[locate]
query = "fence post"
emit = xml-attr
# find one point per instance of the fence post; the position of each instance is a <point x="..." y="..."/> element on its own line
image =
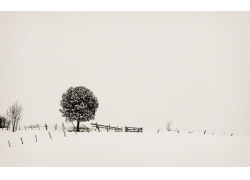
<point x="21" y="140"/>
<point x="64" y="133"/>
<point x="50" y="135"/>
<point x="204" y="132"/>
<point x="97" y="127"/>
<point x="36" y="138"/>
<point x="9" y="143"/>
<point x="31" y="127"/>
<point x="46" y="126"/>
<point x="25" y="128"/>
<point x="74" y="127"/>
<point x="38" y="126"/>
<point x="158" y="130"/>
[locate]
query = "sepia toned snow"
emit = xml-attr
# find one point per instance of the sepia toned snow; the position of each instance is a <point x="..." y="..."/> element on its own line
<point x="166" y="148"/>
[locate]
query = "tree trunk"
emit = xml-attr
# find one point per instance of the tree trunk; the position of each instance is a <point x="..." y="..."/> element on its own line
<point x="16" y="126"/>
<point x="13" y="129"/>
<point x="77" y="128"/>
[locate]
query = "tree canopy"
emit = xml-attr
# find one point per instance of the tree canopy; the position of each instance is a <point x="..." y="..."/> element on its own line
<point x="78" y="104"/>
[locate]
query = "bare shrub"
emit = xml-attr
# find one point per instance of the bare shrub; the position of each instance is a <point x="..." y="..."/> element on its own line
<point x="169" y="123"/>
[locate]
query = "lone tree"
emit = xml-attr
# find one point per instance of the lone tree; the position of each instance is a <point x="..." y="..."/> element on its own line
<point x="78" y="104"/>
<point x="14" y="113"/>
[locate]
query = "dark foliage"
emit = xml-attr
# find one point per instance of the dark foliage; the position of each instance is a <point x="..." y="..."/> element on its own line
<point x="3" y="122"/>
<point x="78" y="104"/>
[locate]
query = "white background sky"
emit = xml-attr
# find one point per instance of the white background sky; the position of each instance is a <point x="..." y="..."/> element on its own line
<point x="146" y="68"/>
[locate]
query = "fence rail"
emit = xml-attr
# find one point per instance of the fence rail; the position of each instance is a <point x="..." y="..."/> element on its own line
<point x="107" y="127"/>
<point x="133" y="129"/>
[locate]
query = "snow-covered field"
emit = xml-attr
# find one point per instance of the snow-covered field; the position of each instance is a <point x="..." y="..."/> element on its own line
<point x="122" y="149"/>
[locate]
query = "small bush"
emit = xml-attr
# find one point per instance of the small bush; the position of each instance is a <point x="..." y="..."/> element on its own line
<point x="169" y="123"/>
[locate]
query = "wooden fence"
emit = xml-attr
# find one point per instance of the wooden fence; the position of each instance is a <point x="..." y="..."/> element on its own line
<point x="133" y="129"/>
<point x="107" y="127"/>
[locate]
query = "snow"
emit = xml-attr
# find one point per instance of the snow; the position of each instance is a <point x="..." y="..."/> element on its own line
<point x="122" y="149"/>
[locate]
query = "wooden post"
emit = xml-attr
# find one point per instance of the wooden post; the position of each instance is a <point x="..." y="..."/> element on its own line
<point x="74" y="127"/>
<point x="21" y="140"/>
<point x="158" y="130"/>
<point x="97" y="127"/>
<point x="50" y="135"/>
<point x="38" y="126"/>
<point x="25" y="128"/>
<point x="107" y="128"/>
<point x="19" y="128"/>
<point x="36" y="138"/>
<point x="204" y="132"/>
<point x="232" y="134"/>
<point x="46" y="126"/>
<point x="31" y="127"/>
<point x="9" y="143"/>
<point x="64" y="133"/>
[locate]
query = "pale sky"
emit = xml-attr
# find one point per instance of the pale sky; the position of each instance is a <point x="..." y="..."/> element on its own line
<point x="145" y="68"/>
